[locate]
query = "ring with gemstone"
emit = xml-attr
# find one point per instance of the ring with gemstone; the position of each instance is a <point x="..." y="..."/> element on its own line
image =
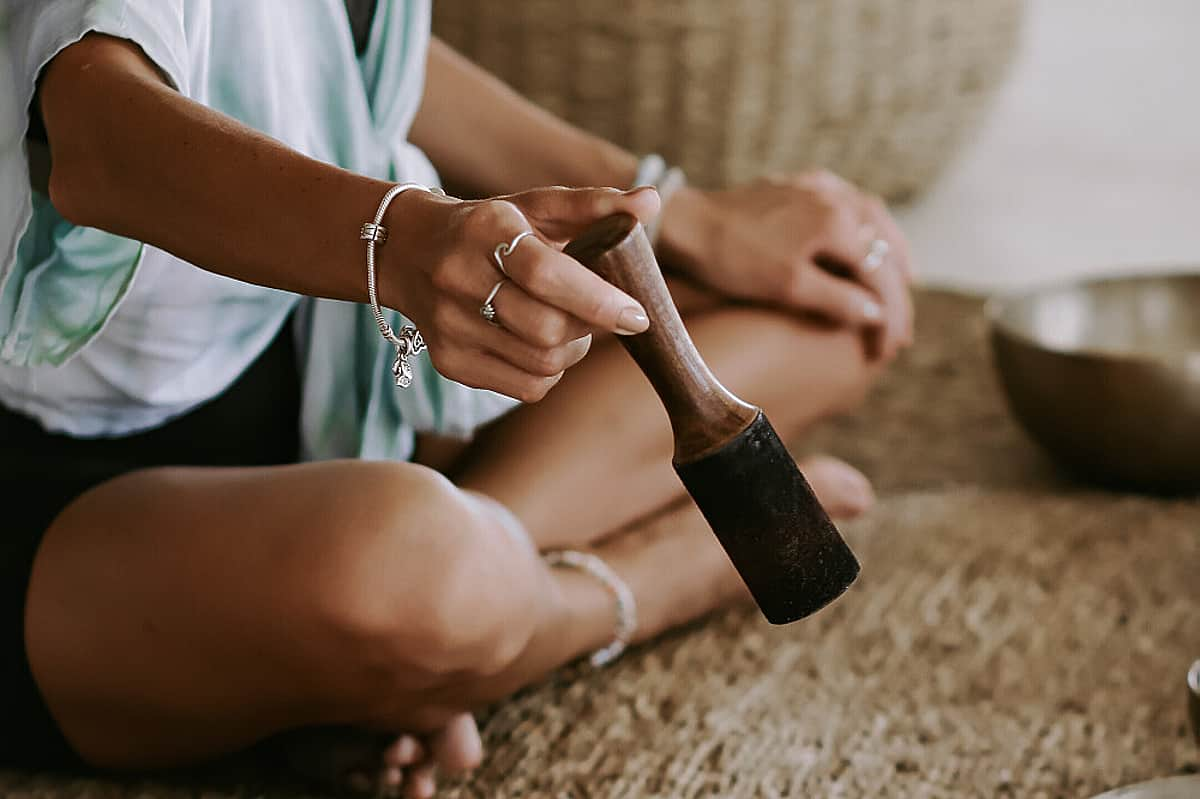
<point x="488" y="310"/>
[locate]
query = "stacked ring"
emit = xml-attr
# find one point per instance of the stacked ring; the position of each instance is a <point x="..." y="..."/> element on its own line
<point x="502" y="251"/>
<point x="487" y="310"/>
<point x="505" y="249"/>
<point x="877" y="255"/>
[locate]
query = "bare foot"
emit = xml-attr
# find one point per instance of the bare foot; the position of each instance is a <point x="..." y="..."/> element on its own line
<point x="455" y="748"/>
<point x="369" y="763"/>
<point x="844" y="491"/>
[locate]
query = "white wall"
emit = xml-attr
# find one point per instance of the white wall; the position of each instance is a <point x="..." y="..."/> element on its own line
<point x="1090" y="161"/>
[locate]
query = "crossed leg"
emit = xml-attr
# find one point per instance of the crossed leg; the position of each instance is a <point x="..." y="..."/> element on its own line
<point x="179" y="614"/>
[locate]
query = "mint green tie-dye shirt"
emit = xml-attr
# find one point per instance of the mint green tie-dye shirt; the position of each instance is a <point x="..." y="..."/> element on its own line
<point x="103" y="336"/>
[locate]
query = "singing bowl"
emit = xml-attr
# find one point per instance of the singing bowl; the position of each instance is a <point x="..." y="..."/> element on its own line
<point x="1186" y="787"/>
<point x="1193" y="682"/>
<point x="1105" y="375"/>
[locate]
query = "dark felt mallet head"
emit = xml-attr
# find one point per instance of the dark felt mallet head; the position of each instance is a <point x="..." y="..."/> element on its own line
<point x="728" y="456"/>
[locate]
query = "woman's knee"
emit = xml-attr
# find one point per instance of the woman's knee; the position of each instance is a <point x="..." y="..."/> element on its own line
<point x="862" y="368"/>
<point x="426" y="580"/>
<point x="798" y="369"/>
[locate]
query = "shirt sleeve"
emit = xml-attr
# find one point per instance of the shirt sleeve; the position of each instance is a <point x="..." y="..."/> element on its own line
<point x="34" y="282"/>
<point x="39" y="30"/>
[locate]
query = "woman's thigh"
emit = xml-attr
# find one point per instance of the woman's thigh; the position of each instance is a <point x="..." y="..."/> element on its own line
<point x="176" y="614"/>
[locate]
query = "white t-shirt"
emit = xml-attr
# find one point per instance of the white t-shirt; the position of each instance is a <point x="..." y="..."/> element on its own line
<point x="103" y="336"/>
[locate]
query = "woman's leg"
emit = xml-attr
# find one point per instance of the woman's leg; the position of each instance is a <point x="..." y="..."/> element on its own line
<point x="594" y="455"/>
<point x="174" y="615"/>
<point x="177" y="614"/>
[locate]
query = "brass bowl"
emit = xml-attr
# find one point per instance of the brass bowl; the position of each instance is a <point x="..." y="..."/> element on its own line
<point x="1105" y="374"/>
<point x="1193" y="681"/>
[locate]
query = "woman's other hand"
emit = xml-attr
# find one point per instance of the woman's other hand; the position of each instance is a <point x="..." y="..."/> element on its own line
<point x="803" y="242"/>
<point x="438" y="267"/>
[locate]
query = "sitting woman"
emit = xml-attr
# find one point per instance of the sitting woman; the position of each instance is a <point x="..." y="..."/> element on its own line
<point x="224" y="519"/>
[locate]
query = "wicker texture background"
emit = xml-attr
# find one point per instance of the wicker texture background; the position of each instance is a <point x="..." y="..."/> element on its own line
<point x="881" y="91"/>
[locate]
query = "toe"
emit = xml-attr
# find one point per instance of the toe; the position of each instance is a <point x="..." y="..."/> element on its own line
<point x="404" y="751"/>
<point x="421" y="783"/>
<point x="458" y="746"/>
<point x="844" y="491"/>
<point x="393" y="777"/>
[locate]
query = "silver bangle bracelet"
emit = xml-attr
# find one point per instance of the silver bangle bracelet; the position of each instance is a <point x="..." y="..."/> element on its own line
<point x="408" y="342"/>
<point x="626" y="607"/>
<point x="653" y="170"/>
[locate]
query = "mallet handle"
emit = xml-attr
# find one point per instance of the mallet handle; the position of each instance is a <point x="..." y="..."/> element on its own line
<point x="704" y="414"/>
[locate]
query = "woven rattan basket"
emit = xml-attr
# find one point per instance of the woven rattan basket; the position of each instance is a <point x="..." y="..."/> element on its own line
<point x="881" y="91"/>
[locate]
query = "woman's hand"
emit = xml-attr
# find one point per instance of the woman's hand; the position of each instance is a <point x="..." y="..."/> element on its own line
<point x="437" y="269"/>
<point x="801" y="242"/>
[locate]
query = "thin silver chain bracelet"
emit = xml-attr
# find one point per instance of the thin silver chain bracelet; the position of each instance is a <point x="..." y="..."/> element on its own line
<point x="409" y="342"/>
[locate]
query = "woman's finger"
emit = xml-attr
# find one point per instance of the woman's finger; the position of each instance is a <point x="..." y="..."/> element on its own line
<point x="537" y="361"/>
<point x="560" y="213"/>
<point x="848" y="242"/>
<point x="890" y="230"/>
<point x="480" y="369"/>
<point x="838" y="299"/>
<point x="472" y="332"/>
<point x="892" y="277"/>
<point x="561" y="281"/>
<point x="859" y="243"/>
<point x="534" y="321"/>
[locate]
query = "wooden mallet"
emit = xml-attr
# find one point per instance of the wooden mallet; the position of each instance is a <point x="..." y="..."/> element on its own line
<point x="728" y="456"/>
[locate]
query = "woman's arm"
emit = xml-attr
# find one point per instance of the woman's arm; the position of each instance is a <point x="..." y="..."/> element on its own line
<point x="486" y="139"/>
<point x="767" y="242"/>
<point x="133" y="157"/>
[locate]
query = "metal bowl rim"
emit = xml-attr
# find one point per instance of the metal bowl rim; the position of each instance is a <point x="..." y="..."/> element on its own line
<point x="996" y="304"/>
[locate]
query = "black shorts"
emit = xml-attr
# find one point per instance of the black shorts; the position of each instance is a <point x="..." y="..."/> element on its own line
<point x="253" y="423"/>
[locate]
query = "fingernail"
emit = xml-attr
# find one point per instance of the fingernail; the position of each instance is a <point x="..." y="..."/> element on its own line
<point x="632" y="320"/>
<point x="872" y="311"/>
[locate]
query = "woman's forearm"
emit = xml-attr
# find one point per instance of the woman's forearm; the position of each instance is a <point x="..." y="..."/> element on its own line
<point x="486" y="139"/>
<point x="133" y="157"/>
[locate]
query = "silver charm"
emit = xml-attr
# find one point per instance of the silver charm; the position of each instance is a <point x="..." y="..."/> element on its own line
<point x="408" y="343"/>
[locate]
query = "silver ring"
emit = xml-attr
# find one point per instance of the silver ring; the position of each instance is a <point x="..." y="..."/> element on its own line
<point x="487" y="310"/>
<point x="877" y="256"/>
<point x="503" y="250"/>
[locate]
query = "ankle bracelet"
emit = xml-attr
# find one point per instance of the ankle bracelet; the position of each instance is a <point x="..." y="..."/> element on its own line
<point x="626" y="607"/>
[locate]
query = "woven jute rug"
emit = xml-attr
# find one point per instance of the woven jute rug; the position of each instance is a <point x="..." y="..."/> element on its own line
<point x="1013" y="634"/>
<point x="997" y="644"/>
